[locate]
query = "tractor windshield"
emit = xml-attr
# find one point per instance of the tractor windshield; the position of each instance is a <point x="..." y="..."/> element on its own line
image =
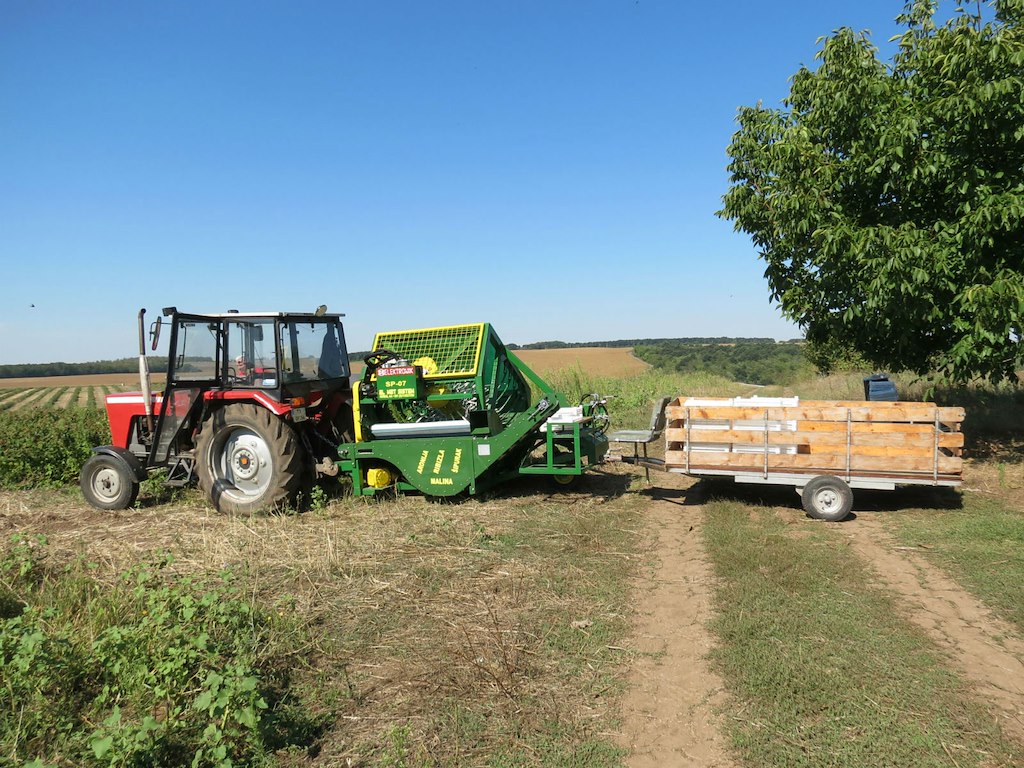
<point x="313" y="350"/>
<point x="251" y="353"/>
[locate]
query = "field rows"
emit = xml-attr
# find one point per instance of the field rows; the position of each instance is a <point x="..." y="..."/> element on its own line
<point x="55" y="397"/>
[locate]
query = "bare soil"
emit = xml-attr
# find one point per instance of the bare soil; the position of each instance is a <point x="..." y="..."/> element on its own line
<point x="65" y="399"/>
<point x="669" y="713"/>
<point x="28" y="399"/>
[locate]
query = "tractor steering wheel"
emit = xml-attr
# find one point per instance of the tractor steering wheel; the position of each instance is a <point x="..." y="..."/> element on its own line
<point x="377" y="358"/>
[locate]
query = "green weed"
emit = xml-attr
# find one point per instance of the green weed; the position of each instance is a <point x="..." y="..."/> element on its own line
<point x="154" y="669"/>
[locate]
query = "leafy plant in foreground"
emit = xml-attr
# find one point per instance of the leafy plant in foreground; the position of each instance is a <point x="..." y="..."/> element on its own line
<point x="47" y="446"/>
<point x="159" y="670"/>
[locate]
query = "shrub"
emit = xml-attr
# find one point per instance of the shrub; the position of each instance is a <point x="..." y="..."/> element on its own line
<point x="47" y="447"/>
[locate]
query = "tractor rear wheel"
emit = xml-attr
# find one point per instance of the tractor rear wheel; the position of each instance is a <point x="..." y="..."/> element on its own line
<point x="107" y="483"/>
<point x="248" y="460"/>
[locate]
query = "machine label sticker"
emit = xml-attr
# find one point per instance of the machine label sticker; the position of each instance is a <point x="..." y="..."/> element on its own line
<point x="399" y="384"/>
<point x="422" y="462"/>
<point x="438" y="461"/>
<point x="457" y="461"/>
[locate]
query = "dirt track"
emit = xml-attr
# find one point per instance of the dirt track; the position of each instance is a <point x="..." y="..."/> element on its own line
<point x="669" y="713"/>
<point x="987" y="651"/>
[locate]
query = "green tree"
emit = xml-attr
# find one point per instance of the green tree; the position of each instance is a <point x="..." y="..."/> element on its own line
<point x="887" y="199"/>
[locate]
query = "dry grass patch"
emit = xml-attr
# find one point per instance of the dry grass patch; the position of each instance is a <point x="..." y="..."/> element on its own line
<point x="613" y="362"/>
<point x="487" y="631"/>
<point x="822" y="667"/>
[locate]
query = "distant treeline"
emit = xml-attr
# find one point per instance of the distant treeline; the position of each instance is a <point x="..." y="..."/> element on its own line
<point x="644" y="342"/>
<point x="753" y="361"/>
<point x="35" y="370"/>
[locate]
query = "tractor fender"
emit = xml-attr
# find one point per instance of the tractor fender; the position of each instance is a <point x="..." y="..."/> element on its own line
<point x="129" y="459"/>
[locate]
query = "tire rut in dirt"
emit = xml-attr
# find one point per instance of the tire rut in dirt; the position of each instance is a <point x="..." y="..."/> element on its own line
<point x="987" y="650"/>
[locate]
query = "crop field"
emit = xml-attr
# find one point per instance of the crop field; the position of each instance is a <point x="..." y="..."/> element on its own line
<point x="618" y="623"/>
<point x="28" y="398"/>
<point x="65" y="391"/>
<point x="613" y="362"/>
<point x="89" y="390"/>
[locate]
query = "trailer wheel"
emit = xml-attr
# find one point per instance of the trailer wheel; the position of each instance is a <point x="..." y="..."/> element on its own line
<point x="827" y="498"/>
<point x="107" y="483"/>
<point x="248" y="460"/>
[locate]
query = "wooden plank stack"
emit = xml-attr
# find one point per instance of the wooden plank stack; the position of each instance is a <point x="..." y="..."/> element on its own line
<point x="856" y="438"/>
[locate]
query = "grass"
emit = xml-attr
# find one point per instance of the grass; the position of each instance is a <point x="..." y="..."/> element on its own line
<point x="631" y="398"/>
<point x="820" y="666"/>
<point x="420" y="633"/>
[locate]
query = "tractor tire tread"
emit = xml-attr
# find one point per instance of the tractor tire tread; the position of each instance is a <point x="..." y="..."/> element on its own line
<point x="282" y="443"/>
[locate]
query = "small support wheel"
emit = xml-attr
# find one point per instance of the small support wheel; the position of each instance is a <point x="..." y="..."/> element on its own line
<point x="827" y="498"/>
<point x="108" y="483"/>
<point x="564" y="482"/>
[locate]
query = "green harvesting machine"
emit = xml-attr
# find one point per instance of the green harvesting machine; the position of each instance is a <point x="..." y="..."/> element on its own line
<point x="449" y="410"/>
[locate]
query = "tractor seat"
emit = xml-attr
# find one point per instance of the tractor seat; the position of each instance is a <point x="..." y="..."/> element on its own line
<point x="644" y="437"/>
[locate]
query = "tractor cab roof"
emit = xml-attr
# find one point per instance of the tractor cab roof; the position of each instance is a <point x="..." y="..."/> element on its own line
<point x="234" y="315"/>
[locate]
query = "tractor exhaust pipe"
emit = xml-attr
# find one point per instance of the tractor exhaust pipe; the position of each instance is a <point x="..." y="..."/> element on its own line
<point x="147" y="397"/>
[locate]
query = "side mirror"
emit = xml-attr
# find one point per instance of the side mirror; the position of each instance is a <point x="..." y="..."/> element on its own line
<point x="154" y="332"/>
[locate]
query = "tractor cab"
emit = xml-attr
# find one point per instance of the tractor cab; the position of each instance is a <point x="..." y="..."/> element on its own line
<point x="291" y="368"/>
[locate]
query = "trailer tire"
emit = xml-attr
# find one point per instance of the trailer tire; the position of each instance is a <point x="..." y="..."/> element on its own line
<point x="827" y="498"/>
<point x="248" y="460"/>
<point x="107" y="482"/>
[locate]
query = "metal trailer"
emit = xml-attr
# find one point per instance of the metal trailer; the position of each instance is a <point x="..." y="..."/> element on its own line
<point x="823" y="449"/>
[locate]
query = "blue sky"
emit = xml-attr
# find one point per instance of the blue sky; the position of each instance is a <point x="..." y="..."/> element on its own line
<point x="550" y="167"/>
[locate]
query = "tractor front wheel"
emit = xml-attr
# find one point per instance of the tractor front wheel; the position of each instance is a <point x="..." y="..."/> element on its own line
<point x="107" y="483"/>
<point x="248" y="460"/>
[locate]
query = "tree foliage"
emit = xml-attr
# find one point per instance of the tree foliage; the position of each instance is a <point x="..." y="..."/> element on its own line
<point x="887" y="199"/>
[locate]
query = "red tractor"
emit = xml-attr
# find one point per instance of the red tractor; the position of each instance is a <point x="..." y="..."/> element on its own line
<point x="253" y="408"/>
